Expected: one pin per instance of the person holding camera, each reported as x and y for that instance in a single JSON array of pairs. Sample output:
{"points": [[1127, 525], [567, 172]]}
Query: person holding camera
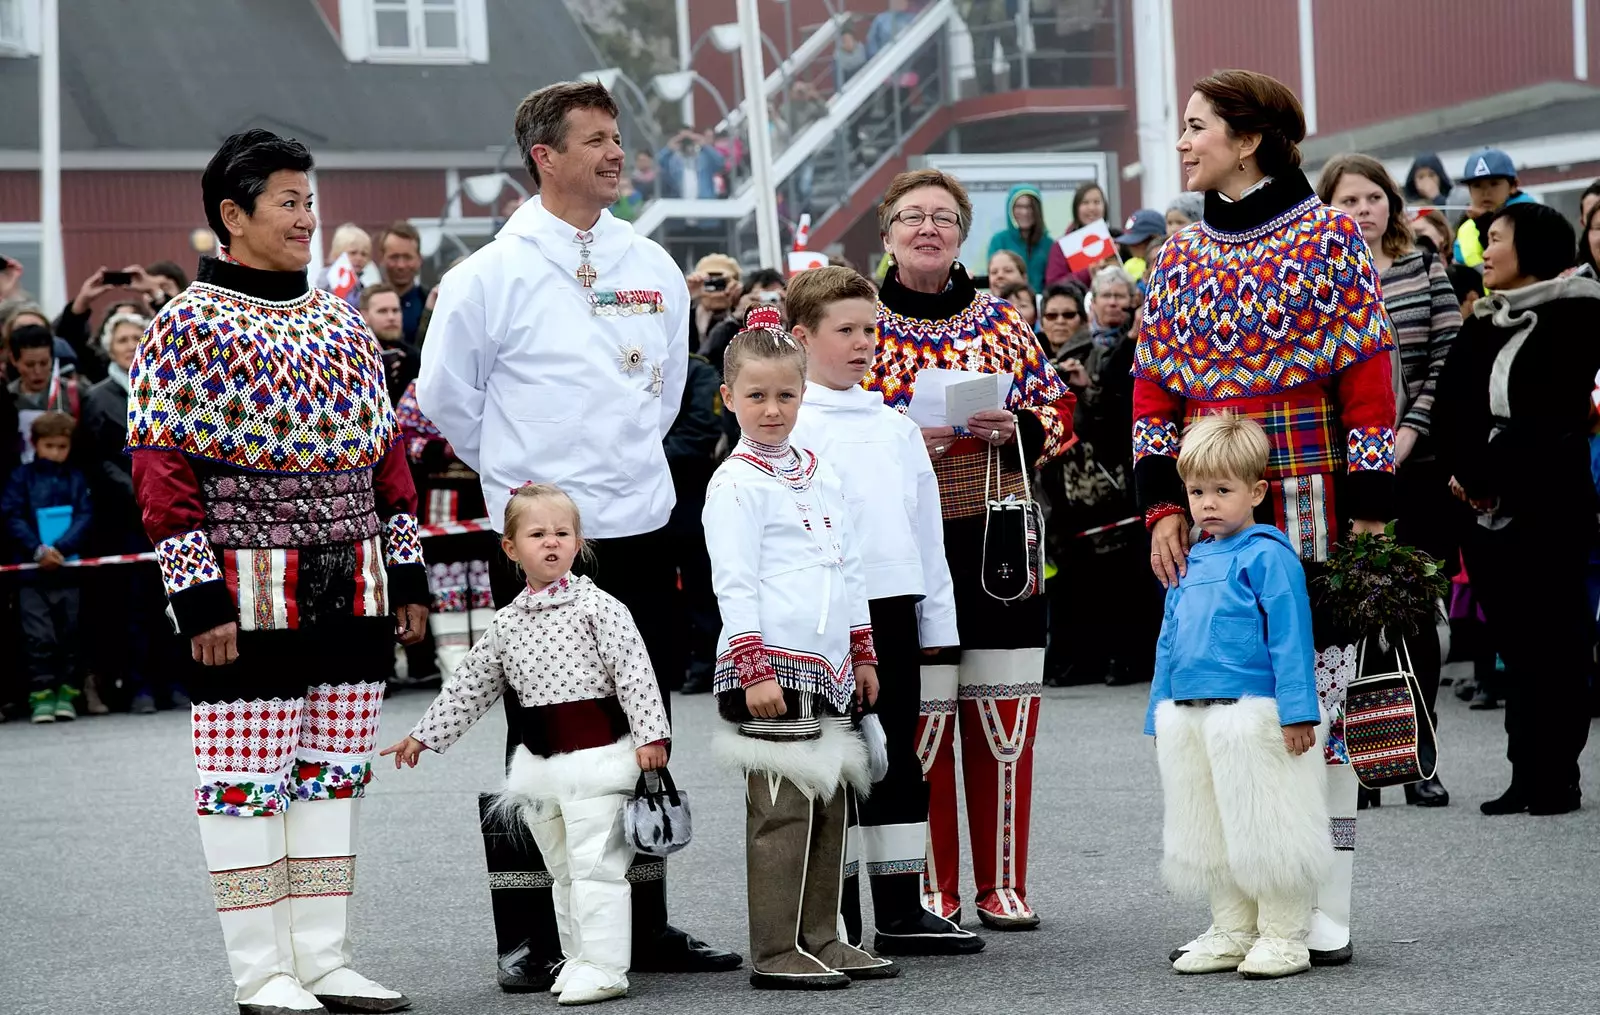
{"points": [[714, 289]]}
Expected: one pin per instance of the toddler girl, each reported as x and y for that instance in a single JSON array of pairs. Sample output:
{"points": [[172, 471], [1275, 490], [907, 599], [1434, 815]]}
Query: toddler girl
{"points": [[592, 717]]}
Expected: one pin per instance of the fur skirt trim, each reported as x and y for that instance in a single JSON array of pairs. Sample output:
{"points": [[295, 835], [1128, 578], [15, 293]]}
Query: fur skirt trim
{"points": [[816, 767], [1239, 807], [534, 783]]}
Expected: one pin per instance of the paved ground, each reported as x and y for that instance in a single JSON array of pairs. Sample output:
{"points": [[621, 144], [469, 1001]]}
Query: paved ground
{"points": [[104, 902]]}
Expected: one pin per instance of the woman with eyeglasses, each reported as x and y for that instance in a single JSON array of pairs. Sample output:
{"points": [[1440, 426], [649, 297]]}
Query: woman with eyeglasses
{"points": [[1064, 323], [930, 315]]}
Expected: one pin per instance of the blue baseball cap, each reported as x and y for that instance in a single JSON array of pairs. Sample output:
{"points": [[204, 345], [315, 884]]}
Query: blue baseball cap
{"points": [[1487, 163], [1142, 225]]}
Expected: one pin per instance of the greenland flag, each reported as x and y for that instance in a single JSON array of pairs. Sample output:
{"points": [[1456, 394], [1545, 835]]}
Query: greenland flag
{"points": [[342, 278], [1088, 246]]}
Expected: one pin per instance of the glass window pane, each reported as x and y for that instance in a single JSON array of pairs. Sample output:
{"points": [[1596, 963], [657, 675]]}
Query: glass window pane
{"points": [[439, 30], [393, 30]]}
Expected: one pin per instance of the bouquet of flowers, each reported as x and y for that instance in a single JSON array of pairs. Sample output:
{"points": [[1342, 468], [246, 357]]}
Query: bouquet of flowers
{"points": [[1374, 583]]}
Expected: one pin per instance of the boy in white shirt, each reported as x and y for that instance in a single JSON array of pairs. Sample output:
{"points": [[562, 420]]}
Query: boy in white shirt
{"points": [[893, 500]]}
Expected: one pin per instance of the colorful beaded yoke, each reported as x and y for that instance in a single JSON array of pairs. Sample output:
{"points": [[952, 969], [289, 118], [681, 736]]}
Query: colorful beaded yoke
{"points": [[1236, 315], [293, 387]]}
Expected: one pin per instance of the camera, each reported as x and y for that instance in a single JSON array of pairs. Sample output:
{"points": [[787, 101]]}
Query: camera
{"points": [[716, 283]]}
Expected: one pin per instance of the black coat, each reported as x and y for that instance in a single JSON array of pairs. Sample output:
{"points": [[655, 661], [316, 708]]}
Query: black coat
{"points": [[101, 452], [1536, 460]]}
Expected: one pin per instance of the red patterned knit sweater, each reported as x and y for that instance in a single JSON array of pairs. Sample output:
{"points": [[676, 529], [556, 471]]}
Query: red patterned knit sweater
{"points": [[963, 329]]}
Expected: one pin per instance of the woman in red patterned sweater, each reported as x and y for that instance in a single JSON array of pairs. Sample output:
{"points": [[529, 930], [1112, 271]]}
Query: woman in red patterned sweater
{"points": [[931, 316], [1269, 308]]}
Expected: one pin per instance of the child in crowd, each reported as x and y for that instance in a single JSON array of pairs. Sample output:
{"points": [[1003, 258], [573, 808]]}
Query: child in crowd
{"points": [[1235, 714], [40, 386], [893, 501], [795, 652], [592, 718], [46, 511]]}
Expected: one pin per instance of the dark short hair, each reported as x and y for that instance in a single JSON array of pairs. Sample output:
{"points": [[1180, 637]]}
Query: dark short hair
{"points": [[169, 269], [239, 172], [377, 290], [764, 277], [52, 424], [1008, 292], [1544, 240], [542, 116], [403, 229], [812, 292], [1253, 103], [31, 336], [1072, 290]]}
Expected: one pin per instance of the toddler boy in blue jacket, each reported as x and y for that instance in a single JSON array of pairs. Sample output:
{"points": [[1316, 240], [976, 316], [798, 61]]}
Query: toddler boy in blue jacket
{"points": [[1235, 713]]}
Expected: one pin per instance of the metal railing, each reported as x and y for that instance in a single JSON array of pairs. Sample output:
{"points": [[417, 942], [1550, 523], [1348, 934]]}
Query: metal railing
{"points": [[826, 145]]}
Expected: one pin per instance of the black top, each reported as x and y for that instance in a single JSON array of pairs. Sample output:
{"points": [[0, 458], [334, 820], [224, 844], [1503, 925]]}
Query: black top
{"points": [[956, 296], [272, 286], [1258, 208], [1536, 460]]}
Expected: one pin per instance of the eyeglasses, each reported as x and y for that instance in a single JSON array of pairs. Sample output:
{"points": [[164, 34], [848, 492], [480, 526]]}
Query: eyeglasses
{"points": [[914, 218], [1062, 315]]}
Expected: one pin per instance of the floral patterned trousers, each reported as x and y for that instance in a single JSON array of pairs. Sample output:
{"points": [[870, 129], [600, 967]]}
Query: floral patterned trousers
{"points": [[253, 758]]}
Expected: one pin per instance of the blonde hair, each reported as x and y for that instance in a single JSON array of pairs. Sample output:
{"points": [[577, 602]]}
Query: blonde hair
{"points": [[763, 344], [528, 494], [1224, 446], [722, 264], [811, 293], [347, 237]]}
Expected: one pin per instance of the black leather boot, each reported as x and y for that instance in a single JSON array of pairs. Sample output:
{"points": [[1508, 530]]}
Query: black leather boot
{"points": [[519, 893], [1366, 798], [659, 947], [906, 928], [1428, 793]]}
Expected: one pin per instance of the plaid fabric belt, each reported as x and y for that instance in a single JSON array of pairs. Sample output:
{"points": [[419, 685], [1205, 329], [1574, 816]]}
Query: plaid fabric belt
{"points": [[960, 475], [1305, 436]]}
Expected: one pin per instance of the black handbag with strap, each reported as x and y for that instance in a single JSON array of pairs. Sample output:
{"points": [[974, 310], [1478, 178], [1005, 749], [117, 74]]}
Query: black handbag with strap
{"points": [[1013, 534]]}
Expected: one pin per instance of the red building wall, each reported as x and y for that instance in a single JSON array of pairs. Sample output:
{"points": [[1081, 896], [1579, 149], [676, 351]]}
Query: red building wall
{"points": [[1212, 35], [1378, 60], [19, 196], [120, 218], [374, 199]]}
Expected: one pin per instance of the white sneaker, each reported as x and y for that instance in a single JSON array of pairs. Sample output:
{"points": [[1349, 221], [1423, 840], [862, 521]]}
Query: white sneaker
{"points": [[1215, 951], [1272, 957], [589, 984]]}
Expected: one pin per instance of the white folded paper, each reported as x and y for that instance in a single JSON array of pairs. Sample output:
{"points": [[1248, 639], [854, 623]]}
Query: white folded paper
{"points": [[951, 397]]}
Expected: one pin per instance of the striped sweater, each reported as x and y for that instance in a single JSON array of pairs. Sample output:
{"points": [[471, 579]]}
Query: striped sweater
{"points": [[1422, 306]]}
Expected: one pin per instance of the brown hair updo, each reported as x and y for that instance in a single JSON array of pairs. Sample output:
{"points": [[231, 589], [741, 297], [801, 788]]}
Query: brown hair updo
{"points": [[1253, 103]]}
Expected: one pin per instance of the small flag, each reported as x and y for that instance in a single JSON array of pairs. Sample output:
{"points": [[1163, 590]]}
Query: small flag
{"points": [[802, 232], [804, 260], [342, 279], [1088, 246]]}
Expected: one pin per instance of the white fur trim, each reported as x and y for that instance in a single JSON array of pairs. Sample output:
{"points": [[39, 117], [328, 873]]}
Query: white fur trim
{"points": [[592, 772], [855, 767], [1238, 805], [816, 767]]}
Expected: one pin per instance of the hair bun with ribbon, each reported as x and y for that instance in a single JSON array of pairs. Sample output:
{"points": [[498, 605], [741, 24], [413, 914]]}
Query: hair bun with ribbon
{"points": [[764, 317]]}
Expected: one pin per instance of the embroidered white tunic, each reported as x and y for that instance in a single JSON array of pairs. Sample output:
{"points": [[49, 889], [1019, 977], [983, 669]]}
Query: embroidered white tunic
{"points": [[787, 574], [569, 642], [530, 375], [893, 497]]}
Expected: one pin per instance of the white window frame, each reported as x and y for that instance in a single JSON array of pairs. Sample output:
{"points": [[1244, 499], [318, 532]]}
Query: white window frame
{"points": [[27, 43], [359, 35]]}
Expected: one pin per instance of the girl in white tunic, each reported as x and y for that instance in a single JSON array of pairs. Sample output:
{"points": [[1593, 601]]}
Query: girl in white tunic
{"points": [[591, 719], [794, 653]]}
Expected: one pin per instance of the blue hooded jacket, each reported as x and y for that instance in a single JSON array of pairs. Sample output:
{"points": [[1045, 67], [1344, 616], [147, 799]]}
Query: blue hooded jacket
{"points": [[1010, 238], [1239, 625]]}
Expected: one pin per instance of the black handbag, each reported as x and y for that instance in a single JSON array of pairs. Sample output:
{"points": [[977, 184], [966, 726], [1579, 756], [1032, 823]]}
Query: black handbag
{"points": [[656, 819], [1013, 534]]}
